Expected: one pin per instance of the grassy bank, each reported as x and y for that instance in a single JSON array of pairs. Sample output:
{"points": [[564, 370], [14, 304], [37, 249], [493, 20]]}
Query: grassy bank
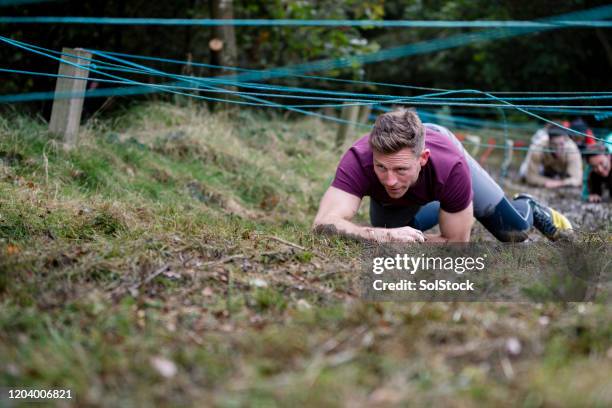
{"points": [[169, 261]]}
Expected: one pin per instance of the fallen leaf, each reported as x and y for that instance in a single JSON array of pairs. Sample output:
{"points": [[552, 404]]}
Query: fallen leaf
{"points": [[12, 249]]}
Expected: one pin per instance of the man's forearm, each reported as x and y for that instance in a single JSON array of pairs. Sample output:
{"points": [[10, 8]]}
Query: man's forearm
{"points": [[339, 226]]}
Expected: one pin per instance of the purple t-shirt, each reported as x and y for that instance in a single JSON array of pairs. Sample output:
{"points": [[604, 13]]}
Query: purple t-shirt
{"points": [[445, 178]]}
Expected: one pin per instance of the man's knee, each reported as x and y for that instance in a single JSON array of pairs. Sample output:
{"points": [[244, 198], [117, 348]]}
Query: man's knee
{"points": [[509, 222]]}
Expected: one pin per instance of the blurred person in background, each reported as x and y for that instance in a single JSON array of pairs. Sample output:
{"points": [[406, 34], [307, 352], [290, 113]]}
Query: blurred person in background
{"points": [[600, 177], [553, 160]]}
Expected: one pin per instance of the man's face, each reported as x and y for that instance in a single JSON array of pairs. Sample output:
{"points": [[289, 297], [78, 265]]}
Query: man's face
{"points": [[398, 171], [600, 164], [557, 144]]}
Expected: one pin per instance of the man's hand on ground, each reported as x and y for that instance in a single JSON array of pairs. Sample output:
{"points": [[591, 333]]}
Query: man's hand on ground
{"points": [[594, 198], [404, 234]]}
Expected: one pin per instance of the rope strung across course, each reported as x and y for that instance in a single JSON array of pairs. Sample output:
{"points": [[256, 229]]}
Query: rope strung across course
{"points": [[407, 50], [266, 103], [310, 90], [100, 64], [349, 81], [243, 95], [220, 80], [602, 11], [420, 47], [167, 89], [487, 145], [398, 99], [431, 98], [553, 23], [9, 3]]}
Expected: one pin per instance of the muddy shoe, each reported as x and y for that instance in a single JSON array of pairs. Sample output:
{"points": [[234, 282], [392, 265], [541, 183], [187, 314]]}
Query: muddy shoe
{"points": [[549, 222]]}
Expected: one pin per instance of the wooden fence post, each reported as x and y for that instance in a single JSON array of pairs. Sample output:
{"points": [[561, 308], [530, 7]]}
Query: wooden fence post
{"points": [[66, 111], [349, 113], [364, 114]]}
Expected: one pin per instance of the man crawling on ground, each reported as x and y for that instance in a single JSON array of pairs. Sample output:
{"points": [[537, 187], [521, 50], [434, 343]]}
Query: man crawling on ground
{"points": [[418, 176]]}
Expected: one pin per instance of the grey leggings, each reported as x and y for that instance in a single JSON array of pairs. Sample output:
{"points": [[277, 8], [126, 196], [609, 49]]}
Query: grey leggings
{"points": [[507, 221]]}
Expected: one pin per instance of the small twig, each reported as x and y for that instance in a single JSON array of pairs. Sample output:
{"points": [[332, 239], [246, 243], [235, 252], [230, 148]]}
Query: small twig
{"points": [[119, 290], [104, 105], [293, 245], [282, 241], [134, 288]]}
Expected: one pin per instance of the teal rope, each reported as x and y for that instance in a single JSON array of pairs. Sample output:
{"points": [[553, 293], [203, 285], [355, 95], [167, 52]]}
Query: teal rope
{"points": [[415, 49], [13, 3], [352, 94], [602, 11], [161, 87], [110, 92], [265, 102], [271, 104], [603, 96], [238, 69], [553, 23], [350, 81], [172, 91], [12, 98], [599, 96]]}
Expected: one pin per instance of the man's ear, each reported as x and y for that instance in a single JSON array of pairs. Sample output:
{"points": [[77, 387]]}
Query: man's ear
{"points": [[424, 157]]}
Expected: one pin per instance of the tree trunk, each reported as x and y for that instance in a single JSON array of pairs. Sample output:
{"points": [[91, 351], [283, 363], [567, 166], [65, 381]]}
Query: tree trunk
{"points": [[223, 42], [224, 9]]}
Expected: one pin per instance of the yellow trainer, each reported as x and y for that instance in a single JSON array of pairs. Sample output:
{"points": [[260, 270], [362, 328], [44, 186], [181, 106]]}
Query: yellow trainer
{"points": [[549, 222]]}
